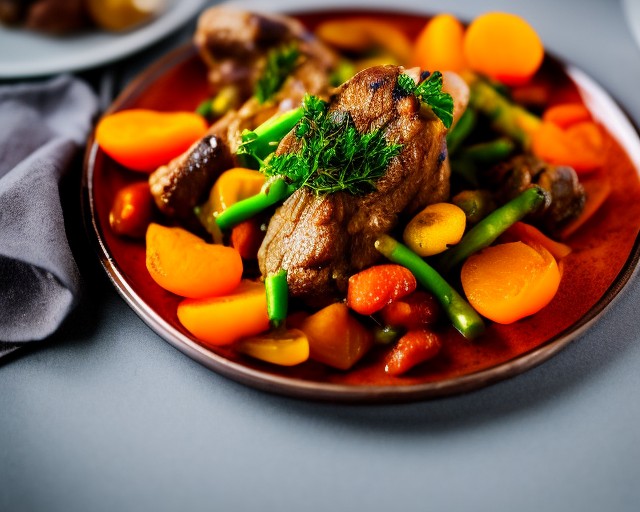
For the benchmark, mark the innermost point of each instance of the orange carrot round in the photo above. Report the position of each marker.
(510, 281)
(503, 46)
(580, 146)
(566, 114)
(371, 289)
(143, 140)
(532, 235)
(186, 265)
(439, 45)
(223, 320)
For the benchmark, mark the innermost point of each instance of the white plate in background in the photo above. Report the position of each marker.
(26, 53)
(631, 10)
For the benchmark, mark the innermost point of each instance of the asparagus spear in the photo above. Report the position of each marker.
(506, 117)
(462, 129)
(463, 317)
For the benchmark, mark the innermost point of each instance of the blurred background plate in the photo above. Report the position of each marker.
(28, 54)
(632, 14)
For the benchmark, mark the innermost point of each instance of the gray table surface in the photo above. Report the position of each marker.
(107, 416)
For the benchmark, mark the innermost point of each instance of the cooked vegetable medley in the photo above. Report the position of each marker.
(350, 193)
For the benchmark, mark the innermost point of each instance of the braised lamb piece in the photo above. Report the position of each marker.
(323, 239)
(565, 193)
(235, 45)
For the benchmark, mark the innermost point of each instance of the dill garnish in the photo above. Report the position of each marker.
(333, 156)
(429, 92)
(280, 63)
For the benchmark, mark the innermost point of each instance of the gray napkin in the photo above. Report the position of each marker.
(42, 126)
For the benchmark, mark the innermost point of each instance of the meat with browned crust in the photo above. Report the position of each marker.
(234, 44)
(322, 240)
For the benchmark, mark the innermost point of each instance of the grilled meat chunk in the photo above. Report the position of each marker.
(566, 194)
(234, 44)
(182, 184)
(322, 240)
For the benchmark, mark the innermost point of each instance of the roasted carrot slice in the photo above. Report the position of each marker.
(439, 45)
(223, 320)
(580, 146)
(186, 265)
(503, 46)
(143, 140)
(415, 347)
(507, 282)
(371, 289)
(566, 114)
(531, 235)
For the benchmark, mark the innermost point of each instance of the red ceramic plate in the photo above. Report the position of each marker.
(604, 258)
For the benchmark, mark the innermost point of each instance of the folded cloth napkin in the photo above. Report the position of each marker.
(42, 126)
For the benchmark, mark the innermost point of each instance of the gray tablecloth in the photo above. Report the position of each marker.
(42, 127)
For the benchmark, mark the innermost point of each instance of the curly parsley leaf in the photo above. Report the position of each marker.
(332, 155)
(279, 65)
(430, 92)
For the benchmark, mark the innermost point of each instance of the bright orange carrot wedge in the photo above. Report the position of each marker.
(510, 281)
(373, 288)
(532, 235)
(223, 320)
(142, 140)
(439, 45)
(335, 337)
(186, 265)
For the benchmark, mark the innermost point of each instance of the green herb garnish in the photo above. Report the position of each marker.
(279, 65)
(430, 93)
(333, 155)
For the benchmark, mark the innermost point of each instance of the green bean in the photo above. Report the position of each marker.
(273, 192)
(264, 140)
(277, 292)
(492, 226)
(461, 130)
(489, 152)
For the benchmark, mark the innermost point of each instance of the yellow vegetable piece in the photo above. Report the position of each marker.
(435, 228)
(232, 186)
(123, 14)
(336, 338)
(283, 347)
(223, 320)
(366, 34)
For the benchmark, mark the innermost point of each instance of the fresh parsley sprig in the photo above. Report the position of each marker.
(333, 155)
(280, 63)
(429, 92)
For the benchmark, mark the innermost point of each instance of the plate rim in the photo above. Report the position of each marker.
(115, 46)
(327, 391)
